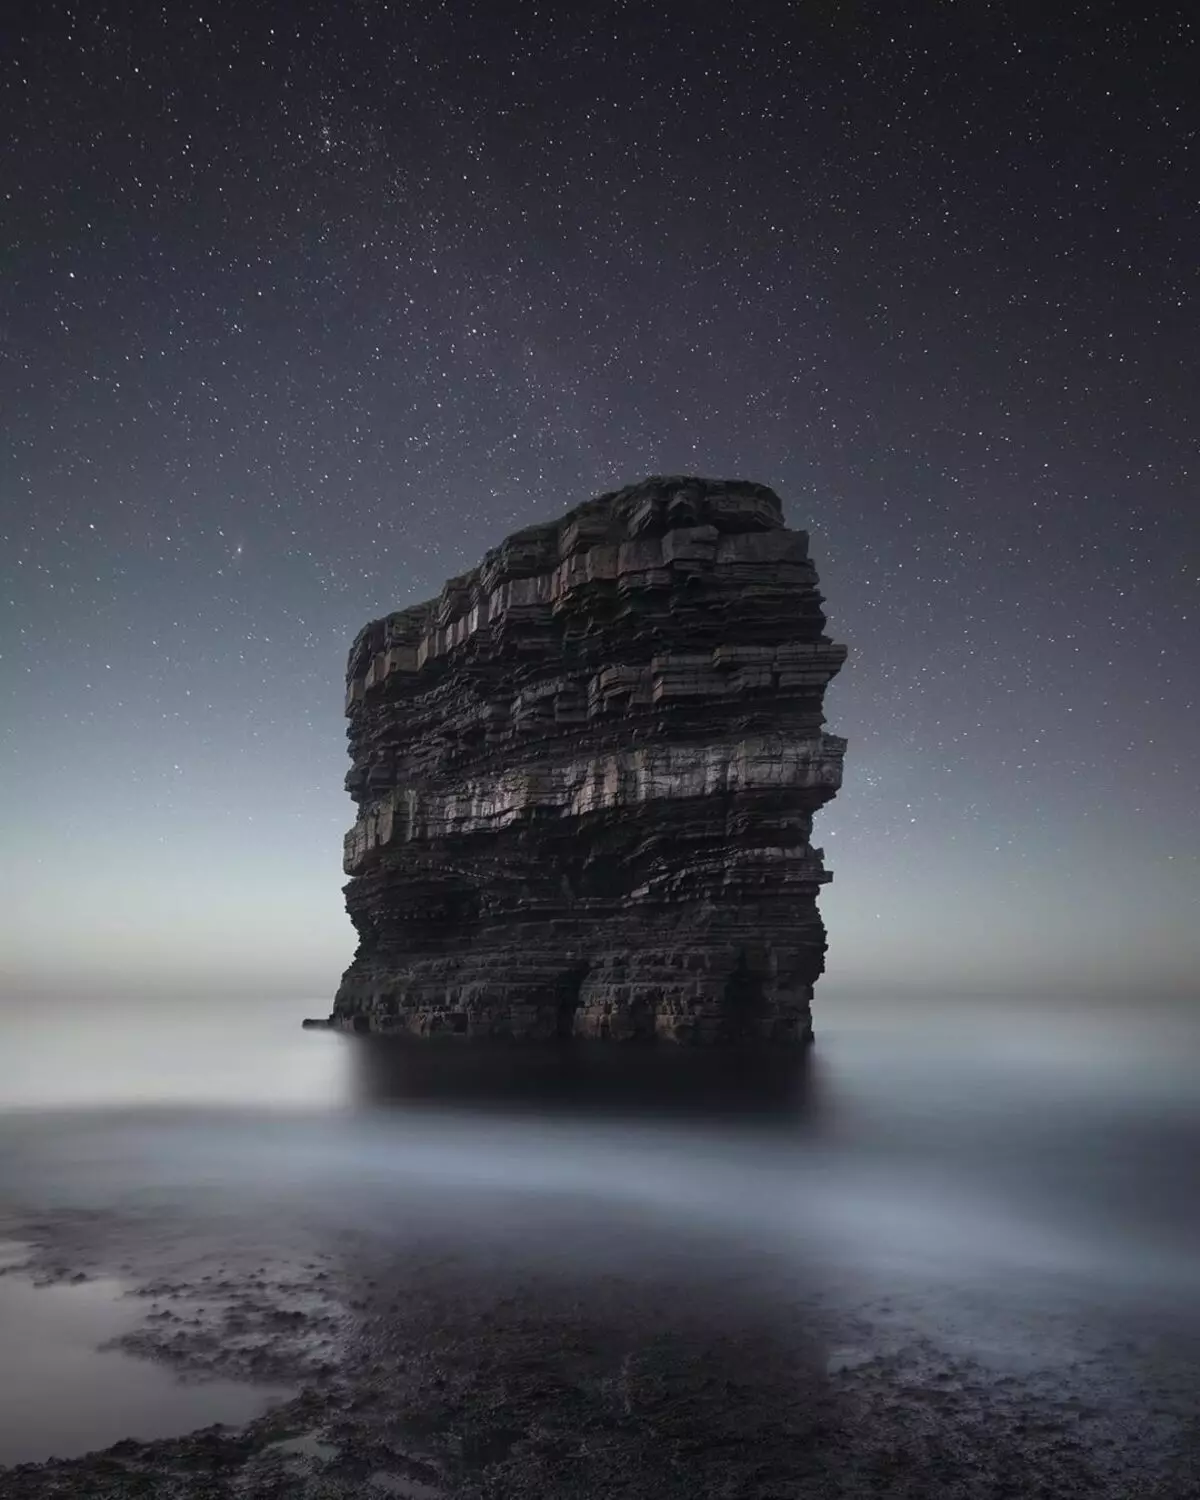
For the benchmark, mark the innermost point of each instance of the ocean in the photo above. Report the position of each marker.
(962, 1218)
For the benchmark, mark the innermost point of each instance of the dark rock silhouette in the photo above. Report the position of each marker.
(586, 775)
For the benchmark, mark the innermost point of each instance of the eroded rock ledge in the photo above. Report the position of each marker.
(586, 775)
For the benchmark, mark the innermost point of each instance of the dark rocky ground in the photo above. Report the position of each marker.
(435, 1371)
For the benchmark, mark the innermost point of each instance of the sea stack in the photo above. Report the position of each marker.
(586, 775)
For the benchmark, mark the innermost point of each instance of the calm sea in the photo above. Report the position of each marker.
(1019, 1181)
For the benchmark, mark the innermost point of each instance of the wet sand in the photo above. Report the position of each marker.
(972, 1275)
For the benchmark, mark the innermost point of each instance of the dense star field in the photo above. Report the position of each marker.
(305, 306)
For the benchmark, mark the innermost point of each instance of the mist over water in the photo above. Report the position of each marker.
(59, 1053)
(1014, 1178)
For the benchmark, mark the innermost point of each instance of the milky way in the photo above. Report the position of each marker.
(305, 306)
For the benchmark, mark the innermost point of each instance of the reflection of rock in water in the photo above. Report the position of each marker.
(751, 1082)
(586, 776)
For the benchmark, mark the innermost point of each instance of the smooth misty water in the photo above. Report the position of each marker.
(1019, 1183)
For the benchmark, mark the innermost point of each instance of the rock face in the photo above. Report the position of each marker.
(586, 775)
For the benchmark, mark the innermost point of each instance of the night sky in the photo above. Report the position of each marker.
(303, 307)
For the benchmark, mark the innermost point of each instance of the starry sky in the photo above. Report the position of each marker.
(304, 306)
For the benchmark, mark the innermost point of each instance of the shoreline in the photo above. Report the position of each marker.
(435, 1374)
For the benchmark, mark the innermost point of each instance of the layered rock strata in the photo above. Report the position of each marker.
(586, 775)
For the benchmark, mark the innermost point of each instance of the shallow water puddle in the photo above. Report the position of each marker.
(61, 1395)
(306, 1446)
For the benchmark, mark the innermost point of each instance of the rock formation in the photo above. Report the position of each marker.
(586, 775)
